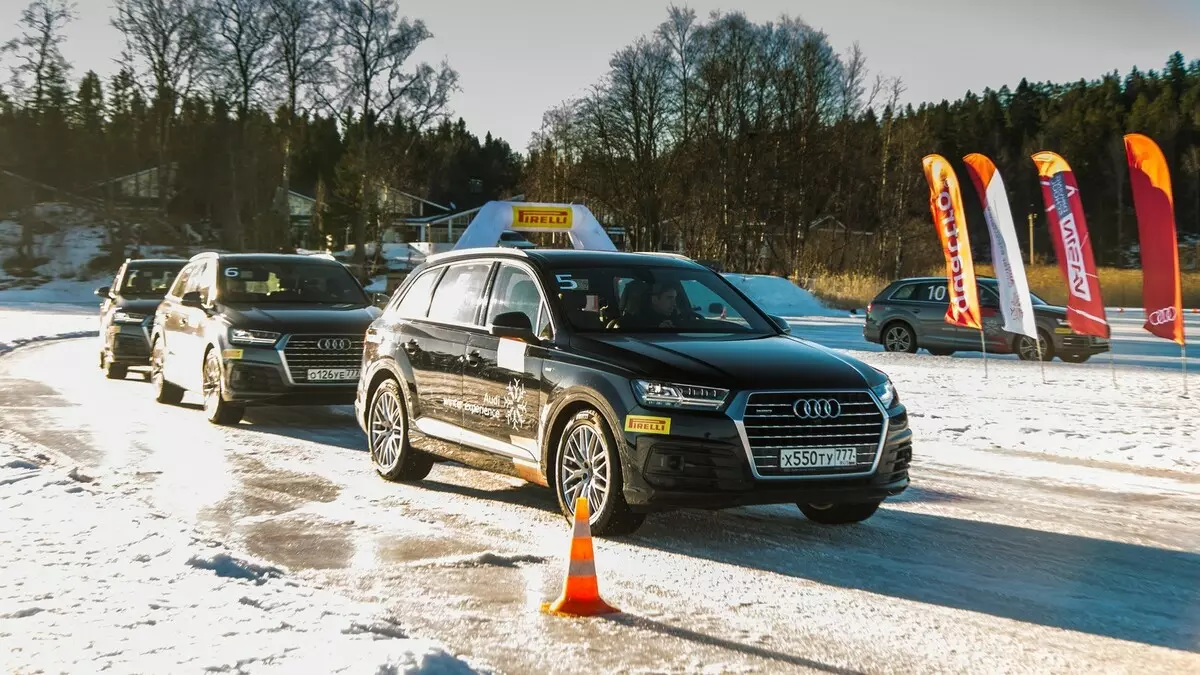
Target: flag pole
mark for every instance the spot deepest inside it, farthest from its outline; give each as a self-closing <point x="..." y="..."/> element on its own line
<point x="1112" y="358"/>
<point x="1041" y="358"/>
<point x="983" y="346"/>
<point x="1183" y="359"/>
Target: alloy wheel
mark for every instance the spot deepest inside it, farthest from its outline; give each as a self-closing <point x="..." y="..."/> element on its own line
<point x="387" y="429"/>
<point x="898" y="339"/>
<point x="584" y="469"/>
<point x="212" y="382"/>
<point x="1032" y="350"/>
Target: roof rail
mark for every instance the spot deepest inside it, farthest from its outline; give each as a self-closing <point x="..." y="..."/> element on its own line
<point x="460" y="252"/>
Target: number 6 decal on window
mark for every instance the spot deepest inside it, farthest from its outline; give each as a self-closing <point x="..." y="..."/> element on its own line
<point x="231" y="272"/>
<point x="566" y="283"/>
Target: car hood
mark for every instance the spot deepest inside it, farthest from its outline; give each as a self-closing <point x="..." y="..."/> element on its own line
<point x="732" y="362"/>
<point x="137" y="305"/>
<point x="302" y="318"/>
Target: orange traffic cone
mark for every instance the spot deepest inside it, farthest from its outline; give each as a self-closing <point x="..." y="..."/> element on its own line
<point x="581" y="593"/>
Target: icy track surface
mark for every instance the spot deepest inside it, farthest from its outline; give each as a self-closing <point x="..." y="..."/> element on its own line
<point x="1054" y="529"/>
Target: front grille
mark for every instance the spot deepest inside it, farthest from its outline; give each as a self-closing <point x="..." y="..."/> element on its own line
<point x="772" y="425"/>
<point x="302" y="352"/>
<point x="128" y="346"/>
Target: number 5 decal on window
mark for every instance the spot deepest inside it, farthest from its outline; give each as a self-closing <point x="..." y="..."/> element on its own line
<point x="566" y="283"/>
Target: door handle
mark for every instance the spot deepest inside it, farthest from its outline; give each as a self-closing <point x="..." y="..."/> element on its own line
<point x="916" y="310"/>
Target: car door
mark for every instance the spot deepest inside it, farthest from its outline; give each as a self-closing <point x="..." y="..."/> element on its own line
<point x="502" y="377"/>
<point x="436" y="345"/>
<point x="169" y="319"/>
<point x="932" y="299"/>
<point x="190" y="334"/>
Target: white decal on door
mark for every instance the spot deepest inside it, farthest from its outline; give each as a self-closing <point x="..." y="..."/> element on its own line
<point x="510" y="355"/>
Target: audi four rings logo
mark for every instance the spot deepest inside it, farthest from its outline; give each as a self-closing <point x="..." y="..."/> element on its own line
<point x="334" y="344"/>
<point x="1163" y="316"/>
<point x="817" y="408"/>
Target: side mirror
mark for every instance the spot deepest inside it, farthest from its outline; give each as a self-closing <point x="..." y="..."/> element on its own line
<point x="781" y="324"/>
<point x="192" y="299"/>
<point x="716" y="308"/>
<point x="513" y="325"/>
<point x="103" y="292"/>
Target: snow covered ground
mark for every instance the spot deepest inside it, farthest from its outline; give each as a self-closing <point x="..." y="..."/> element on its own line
<point x="94" y="579"/>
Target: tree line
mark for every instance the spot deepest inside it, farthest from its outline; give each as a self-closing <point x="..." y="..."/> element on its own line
<point x="238" y="102"/>
<point x="759" y="146"/>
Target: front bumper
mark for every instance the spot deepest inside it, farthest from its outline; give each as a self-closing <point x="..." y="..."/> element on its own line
<point x="703" y="463"/>
<point x="128" y="343"/>
<point x="256" y="376"/>
<point x="1080" y="344"/>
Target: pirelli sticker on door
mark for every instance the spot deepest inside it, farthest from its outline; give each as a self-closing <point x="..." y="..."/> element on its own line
<point x="648" y="425"/>
<point x="542" y="217"/>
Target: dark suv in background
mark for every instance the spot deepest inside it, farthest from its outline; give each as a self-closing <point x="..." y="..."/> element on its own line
<point x="260" y="329"/>
<point x="594" y="374"/>
<point x="127" y="313"/>
<point x="910" y="314"/>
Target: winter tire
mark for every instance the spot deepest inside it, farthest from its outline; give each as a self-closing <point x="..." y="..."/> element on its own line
<point x="164" y="392"/>
<point x="115" y="371"/>
<point x="387" y="438"/>
<point x="839" y="514"/>
<point x="899" y="337"/>
<point x="216" y="408"/>
<point x="586" y="464"/>
<point x="1027" y="348"/>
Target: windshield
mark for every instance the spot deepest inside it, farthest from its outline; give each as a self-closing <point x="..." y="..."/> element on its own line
<point x="649" y="299"/>
<point x="148" y="281"/>
<point x="288" y="281"/>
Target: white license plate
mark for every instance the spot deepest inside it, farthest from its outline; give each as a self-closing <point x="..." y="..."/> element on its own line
<point x="332" y="374"/>
<point x="823" y="458"/>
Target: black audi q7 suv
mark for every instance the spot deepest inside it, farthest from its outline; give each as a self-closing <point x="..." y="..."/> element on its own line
<point x="599" y="375"/>
<point x="260" y="329"/>
<point x="127" y="312"/>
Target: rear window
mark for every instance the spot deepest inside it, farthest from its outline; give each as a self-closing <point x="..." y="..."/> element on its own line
<point x="148" y="281"/>
<point x="905" y="292"/>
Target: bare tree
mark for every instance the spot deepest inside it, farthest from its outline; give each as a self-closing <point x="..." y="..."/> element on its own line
<point x="244" y="60"/>
<point x="168" y="38"/>
<point x="374" y="44"/>
<point x="245" y="54"/>
<point x="37" y="48"/>
<point x="303" y="51"/>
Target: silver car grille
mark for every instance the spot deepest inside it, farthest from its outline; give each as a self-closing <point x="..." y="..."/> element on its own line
<point x="771" y="424"/>
<point x="302" y="352"/>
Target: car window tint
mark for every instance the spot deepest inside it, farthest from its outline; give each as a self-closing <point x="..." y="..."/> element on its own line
<point x="514" y="291"/>
<point x="932" y="292"/>
<point x="415" y="303"/>
<point x="988" y="297"/>
<point x="543" y="327"/>
<point x="906" y="292"/>
<point x="459" y="293"/>
<point x="182" y="281"/>
<point x="147" y="281"/>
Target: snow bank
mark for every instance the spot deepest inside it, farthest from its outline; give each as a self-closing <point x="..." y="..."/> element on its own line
<point x="1078" y="413"/>
<point x="134" y="587"/>
<point x="780" y="296"/>
<point x="22" y="325"/>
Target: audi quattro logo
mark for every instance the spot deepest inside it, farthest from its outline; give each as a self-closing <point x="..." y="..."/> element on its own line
<point x="1163" y="316"/>
<point x="817" y="408"/>
<point x="335" y="344"/>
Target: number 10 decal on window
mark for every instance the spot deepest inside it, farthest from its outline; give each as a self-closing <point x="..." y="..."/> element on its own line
<point x="937" y="293"/>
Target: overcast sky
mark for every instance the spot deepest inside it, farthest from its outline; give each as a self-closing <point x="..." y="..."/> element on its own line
<point x="516" y="58"/>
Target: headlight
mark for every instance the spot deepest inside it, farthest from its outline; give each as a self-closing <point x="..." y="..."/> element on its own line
<point x="239" y="336"/>
<point x="128" y="317"/>
<point x="682" y="396"/>
<point x="886" y="393"/>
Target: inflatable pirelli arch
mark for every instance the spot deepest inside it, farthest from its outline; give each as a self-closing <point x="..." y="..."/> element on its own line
<point x="575" y="220"/>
